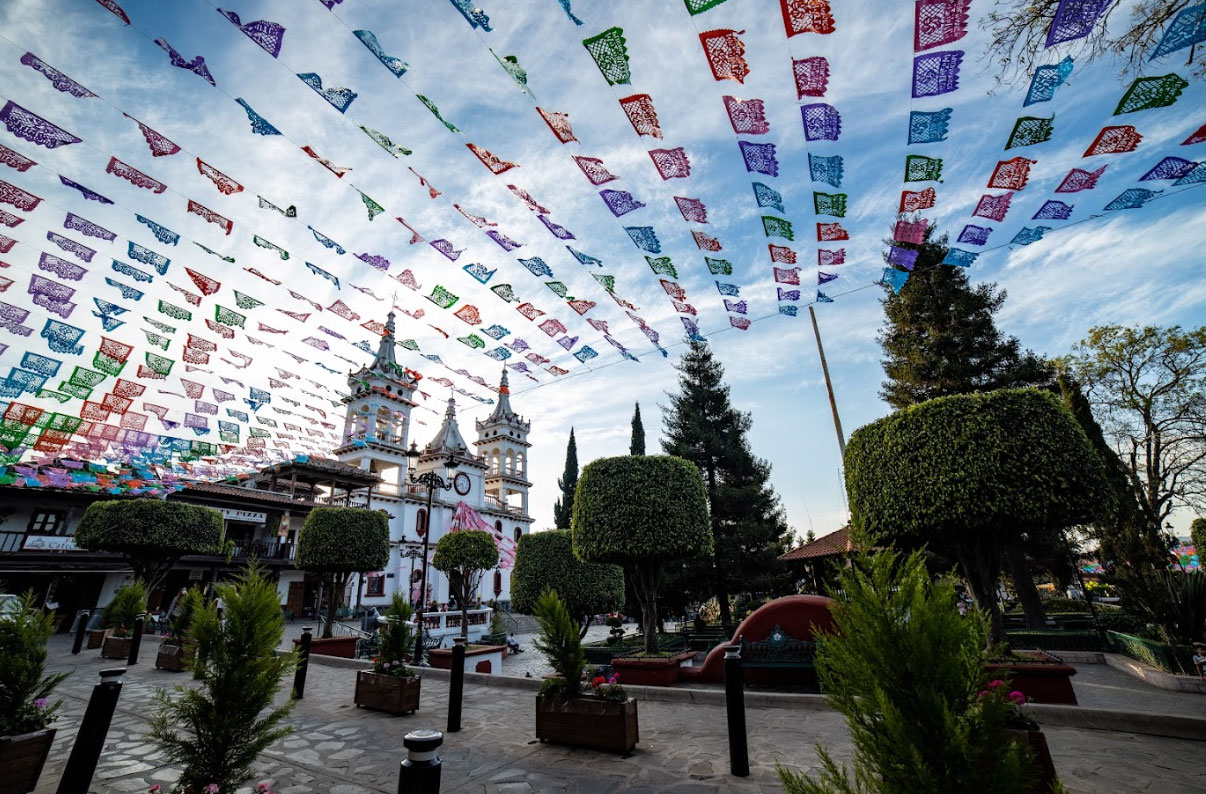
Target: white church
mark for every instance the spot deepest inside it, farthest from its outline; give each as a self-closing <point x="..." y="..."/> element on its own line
<point x="489" y="483"/>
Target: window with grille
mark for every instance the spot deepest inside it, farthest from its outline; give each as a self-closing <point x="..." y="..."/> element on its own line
<point x="47" y="522"/>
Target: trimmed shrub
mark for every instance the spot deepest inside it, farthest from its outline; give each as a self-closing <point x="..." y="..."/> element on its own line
<point x="336" y="542"/>
<point x="639" y="512"/>
<point x="463" y="557"/>
<point x="150" y="533"/>
<point x="545" y="560"/>
<point x="969" y="474"/>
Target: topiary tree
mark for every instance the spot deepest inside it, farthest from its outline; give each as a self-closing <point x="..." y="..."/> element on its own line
<point x="639" y="512"/>
<point x="968" y="474"/>
<point x="150" y="533"/>
<point x="545" y="560"/>
<point x="336" y="542"/>
<point x="463" y="557"/>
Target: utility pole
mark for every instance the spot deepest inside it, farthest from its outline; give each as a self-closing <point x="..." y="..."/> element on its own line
<point x="837" y="422"/>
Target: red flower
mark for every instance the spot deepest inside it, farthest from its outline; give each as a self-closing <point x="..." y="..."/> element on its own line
<point x="598" y="681"/>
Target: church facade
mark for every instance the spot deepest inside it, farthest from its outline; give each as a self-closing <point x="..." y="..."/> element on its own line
<point x="489" y="481"/>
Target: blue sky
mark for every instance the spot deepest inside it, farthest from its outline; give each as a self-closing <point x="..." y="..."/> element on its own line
<point x="1134" y="266"/>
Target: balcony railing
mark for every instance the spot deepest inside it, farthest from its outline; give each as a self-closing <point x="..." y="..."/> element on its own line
<point x="495" y="503"/>
<point x="448" y="624"/>
<point x="264" y="550"/>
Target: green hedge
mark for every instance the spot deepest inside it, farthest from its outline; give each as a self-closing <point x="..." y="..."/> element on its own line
<point x="343" y="539"/>
<point x="1002" y="461"/>
<point x="546" y="560"/>
<point x="645" y="508"/>
<point x="150" y="526"/>
<point x="1169" y="658"/>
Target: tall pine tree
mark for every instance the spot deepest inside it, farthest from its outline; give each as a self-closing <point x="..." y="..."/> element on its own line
<point x="747" y="521"/>
<point x="940" y="338"/>
<point x="563" y="508"/>
<point x="637" y="446"/>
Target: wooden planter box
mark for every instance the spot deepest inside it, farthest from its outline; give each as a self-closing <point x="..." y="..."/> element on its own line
<point x="655" y="671"/>
<point x="1045" y="680"/>
<point x="116" y="647"/>
<point x="343" y="647"/>
<point x="96" y="638"/>
<point x="1037" y="742"/>
<point x="170" y="657"/>
<point x="387" y="693"/>
<point x="588" y="722"/>
<point x="21" y="760"/>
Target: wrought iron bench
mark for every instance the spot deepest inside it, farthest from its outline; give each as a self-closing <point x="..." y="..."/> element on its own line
<point x="779" y="651"/>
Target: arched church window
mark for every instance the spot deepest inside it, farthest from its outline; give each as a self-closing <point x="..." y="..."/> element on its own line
<point x="421" y="522"/>
<point x="518" y="535"/>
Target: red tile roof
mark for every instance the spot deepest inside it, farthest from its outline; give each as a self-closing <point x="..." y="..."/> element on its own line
<point x="830" y="545"/>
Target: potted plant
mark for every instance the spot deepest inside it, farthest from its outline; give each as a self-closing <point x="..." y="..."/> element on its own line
<point x="600" y="718"/>
<point x="390" y="685"/>
<point x="128" y="603"/>
<point x="25" y="708"/>
<point x="174" y="650"/>
<point x="1001" y="704"/>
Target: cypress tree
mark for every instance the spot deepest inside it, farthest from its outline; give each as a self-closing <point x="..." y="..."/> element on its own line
<point x="637" y="446"/>
<point x="563" y="508"/>
<point x="748" y="527"/>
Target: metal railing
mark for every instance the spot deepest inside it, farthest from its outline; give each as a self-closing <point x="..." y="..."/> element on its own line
<point x="264" y="550"/>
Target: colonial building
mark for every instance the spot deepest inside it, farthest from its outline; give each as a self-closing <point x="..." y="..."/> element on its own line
<point x="40" y="507"/>
<point x="489" y="484"/>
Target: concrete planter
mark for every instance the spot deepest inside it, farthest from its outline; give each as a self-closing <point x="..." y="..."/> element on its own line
<point x="21" y="760"/>
<point x="654" y="671"/>
<point x="389" y="693"/>
<point x="478" y="659"/>
<point x="589" y="722"/>
<point x="1045" y="680"/>
<point x="116" y="647"/>
<point x="1037" y="743"/>
<point x="170" y="658"/>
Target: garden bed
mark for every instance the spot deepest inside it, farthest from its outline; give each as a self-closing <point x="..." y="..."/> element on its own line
<point x="1041" y="677"/>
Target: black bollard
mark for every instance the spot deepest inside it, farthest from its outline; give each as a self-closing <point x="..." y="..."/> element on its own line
<point x="456" y="685"/>
<point x="81" y="632"/>
<point x="136" y="640"/>
<point x="420" y="772"/>
<point x="90" y="741"/>
<point x="734" y="698"/>
<point x="303" y="663"/>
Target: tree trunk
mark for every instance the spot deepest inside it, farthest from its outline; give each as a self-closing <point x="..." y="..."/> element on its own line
<point x="645" y="581"/>
<point x="1023" y="583"/>
<point x="333" y="603"/>
<point x="583" y="626"/>
<point x="722" y="590"/>
<point x="977" y="567"/>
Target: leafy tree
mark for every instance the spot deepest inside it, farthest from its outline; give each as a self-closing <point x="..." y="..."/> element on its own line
<point x="152" y="534"/>
<point x="545" y="560"/>
<point x="336" y="542"/>
<point x="217" y="729"/>
<point x="1019" y="31"/>
<point x="640" y="512"/>
<point x="1147" y="387"/>
<point x="24" y="681"/>
<point x="561" y="644"/>
<point x="907" y="671"/>
<point x="940" y="337"/>
<point x="637" y="445"/>
<point x="748" y="528"/>
<point x="463" y="557"/>
<point x="965" y="475"/>
<point x="563" y="508"/>
<point x="1197" y="536"/>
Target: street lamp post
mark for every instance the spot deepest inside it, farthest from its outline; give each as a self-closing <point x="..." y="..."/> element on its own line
<point x="433" y="482"/>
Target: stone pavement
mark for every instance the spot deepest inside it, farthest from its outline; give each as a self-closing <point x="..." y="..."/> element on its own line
<point x="339" y="749"/>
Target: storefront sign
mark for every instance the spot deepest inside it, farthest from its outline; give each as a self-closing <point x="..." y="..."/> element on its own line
<point x="50" y="543"/>
<point x="250" y="516"/>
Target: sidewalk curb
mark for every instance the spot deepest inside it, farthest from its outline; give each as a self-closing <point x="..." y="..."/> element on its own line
<point x="1054" y="716"/>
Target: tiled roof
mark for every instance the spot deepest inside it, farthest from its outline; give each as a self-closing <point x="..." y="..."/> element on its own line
<point x="830" y="545"/>
<point x="236" y="493"/>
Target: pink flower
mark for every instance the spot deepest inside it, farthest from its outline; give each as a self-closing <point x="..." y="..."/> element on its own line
<point x="613" y="679"/>
<point x="995" y="684"/>
<point x="41" y="703"/>
<point x="212" y="788"/>
<point x="154" y="789"/>
<point x="1017" y="697"/>
<point x="983" y="693"/>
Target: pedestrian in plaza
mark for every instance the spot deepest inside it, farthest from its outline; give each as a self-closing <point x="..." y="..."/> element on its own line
<point x="1199" y="659"/>
<point x="174" y="607"/>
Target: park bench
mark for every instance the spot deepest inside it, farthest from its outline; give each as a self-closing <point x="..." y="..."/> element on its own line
<point x="779" y="650"/>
